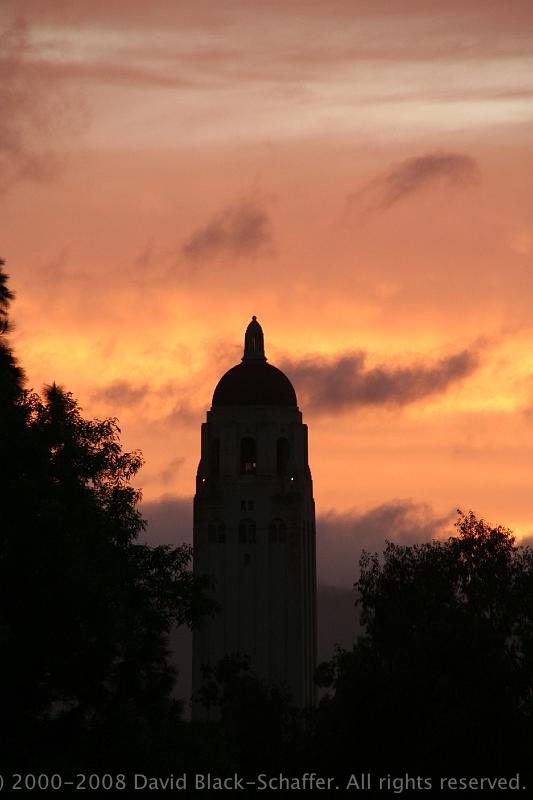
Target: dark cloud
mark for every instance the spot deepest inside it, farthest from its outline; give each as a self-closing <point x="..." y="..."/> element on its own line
<point x="445" y="28"/>
<point x="184" y="413"/>
<point x="338" y="619"/>
<point x="243" y="230"/>
<point x="169" y="520"/>
<point x="341" y="537"/>
<point x="110" y="72"/>
<point x="57" y="278"/>
<point x="121" y="393"/>
<point x="172" y="468"/>
<point x="412" y="175"/>
<point x="146" y="256"/>
<point x="37" y="119"/>
<point x="344" y="381"/>
<point x="124" y="394"/>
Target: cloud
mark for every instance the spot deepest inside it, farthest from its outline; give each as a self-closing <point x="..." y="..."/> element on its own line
<point x="109" y="73"/>
<point x="172" y="468"/>
<point x="341" y="537"/>
<point x="184" y="413"/>
<point x="121" y="393"/>
<point x="412" y="175"/>
<point x="344" y="382"/>
<point x="242" y="230"/>
<point x="169" y="520"/>
<point x="37" y="118"/>
<point x="160" y="408"/>
<point x="338" y="619"/>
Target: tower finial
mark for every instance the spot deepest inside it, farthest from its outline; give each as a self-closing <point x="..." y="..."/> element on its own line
<point x="254" y="344"/>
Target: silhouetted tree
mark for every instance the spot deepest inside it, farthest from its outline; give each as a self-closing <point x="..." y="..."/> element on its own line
<point x="258" y="723"/>
<point x="85" y="609"/>
<point x="442" y="678"/>
<point x="11" y="375"/>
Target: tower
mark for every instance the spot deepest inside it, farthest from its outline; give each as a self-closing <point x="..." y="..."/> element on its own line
<point x="254" y="526"/>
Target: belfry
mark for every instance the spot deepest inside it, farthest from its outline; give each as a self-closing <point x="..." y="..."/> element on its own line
<point x="254" y="526"/>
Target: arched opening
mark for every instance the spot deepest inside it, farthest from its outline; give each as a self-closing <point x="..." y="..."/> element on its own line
<point x="277" y="531"/>
<point x="216" y="532"/>
<point x="282" y="455"/>
<point x="248" y="456"/>
<point x="246" y="531"/>
<point x="214" y="458"/>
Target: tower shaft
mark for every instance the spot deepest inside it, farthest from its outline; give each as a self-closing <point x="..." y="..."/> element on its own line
<point x="254" y="529"/>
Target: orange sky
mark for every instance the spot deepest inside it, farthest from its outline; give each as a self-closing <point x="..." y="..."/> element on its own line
<point x="356" y="174"/>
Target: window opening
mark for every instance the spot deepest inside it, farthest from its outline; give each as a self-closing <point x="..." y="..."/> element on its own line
<point x="248" y="456"/>
<point x="214" y="458"/>
<point x="246" y="531"/>
<point x="277" y="531"/>
<point x="282" y="455"/>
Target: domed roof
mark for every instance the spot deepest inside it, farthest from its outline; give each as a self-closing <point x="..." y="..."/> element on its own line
<point x="254" y="382"/>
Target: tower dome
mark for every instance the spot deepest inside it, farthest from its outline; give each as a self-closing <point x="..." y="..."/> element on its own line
<point x="253" y="382"/>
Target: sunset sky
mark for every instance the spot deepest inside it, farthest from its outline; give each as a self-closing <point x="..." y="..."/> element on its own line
<point x="357" y="173"/>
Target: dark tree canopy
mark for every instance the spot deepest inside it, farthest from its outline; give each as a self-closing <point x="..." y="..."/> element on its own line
<point x="85" y="609"/>
<point x="443" y="676"/>
<point x="259" y="723"/>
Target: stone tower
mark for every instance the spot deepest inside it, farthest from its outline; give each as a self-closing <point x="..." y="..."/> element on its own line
<point x="254" y="526"/>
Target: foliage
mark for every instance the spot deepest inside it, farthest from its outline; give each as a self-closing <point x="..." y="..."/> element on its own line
<point x="256" y="719"/>
<point x="11" y="375"/>
<point x="443" y="675"/>
<point x="85" y="609"/>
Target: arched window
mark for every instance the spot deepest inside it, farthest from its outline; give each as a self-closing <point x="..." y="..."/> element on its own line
<point x="214" y="458"/>
<point x="277" y="531"/>
<point x="283" y="452"/>
<point x="216" y="532"/>
<point x="248" y="456"/>
<point x="246" y="531"/>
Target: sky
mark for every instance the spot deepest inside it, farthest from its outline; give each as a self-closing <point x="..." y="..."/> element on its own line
<point x="356" y="173"/>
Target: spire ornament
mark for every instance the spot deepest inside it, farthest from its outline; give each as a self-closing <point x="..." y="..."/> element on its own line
<point x="254" y="343"/>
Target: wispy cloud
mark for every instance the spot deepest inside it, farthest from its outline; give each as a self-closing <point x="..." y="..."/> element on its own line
<point x="341" y="537"/>
<point x="37" y="118"/>
<point x="171" y="469"/>
<point x="345" y="382"/>
<point x="242" y="230"/>
<point x="412" y="175"/>
<point x="121" y="393"/>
